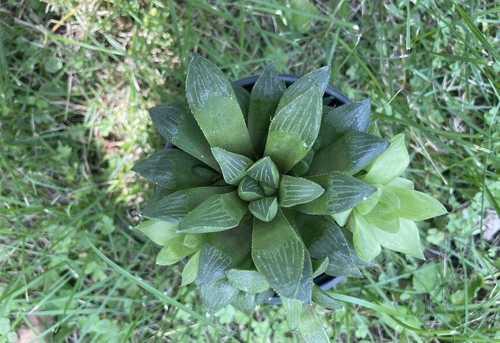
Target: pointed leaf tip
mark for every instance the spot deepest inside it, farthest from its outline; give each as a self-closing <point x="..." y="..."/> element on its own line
<point x="233" y="166"/>
<point x="264" y="209"/>
<point x="265" y="171"/>
<point x="297" y="190"/>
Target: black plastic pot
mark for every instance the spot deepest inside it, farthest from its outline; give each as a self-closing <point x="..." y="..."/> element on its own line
<point x="333" y="97"/>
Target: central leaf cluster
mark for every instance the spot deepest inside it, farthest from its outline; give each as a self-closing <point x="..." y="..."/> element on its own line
<point x="260" y="184"/>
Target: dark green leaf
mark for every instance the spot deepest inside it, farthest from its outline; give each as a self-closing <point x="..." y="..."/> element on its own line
<point x="302" y="167"/>
<point x="265" y="171"/>
<point x="336" y="121"/>
<point x="391" y="164"/>
<point x="217" y="295"/>
<point x="158" y="231"/>
<point x="294" y="129"/>
<point x="330" y="242"/>
<point x="264" y="98"/>
<point x="249" y="189"/>
<point x="233" y="165"/>
<point x="178" y="127"/>
<point x="173" y="207"/>
<point x="317" y="78"/>
<point x="297" y="190"/>
<point x="215" y="107"/>
<point x="350" y="154"/>
<point x="243" y="98"/>
<point x="249" y="281"/>
<point x="174" y="169"/>
<point x="218" y="213"/>
<point x="264" y="209"/>
<point x="278" y="253"/>
<point x="320" y="267"/>
<point x="342" y="192"/>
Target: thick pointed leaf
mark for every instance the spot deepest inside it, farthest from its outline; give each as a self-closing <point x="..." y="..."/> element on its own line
<point x="303" y="290"/>
<point x="341" y="218"/>
<point x="297" y="190"/>
<point x="268" y="190"/>
<point x="173" y="252"/>
<point x="416" y="205"/>
<point x="385" y="215"/>
<point x="249" y="281"/>
<point x="264" y="98"/>
<point x="215" y="107"/>
<point x="324" y="299"/>
<point x="302" y="167"/>
<point x="190" y="270"/>
<point x="400" y="182"/>
<point x="330" y="242"/>
<point x="249" y="189"/>
<point x="406" y="240"/>
<point x="178" y="127"/>
<point x="223" y="251"/>
<point x="320" y="266"/>
<point x="278" y="253"/>
<point x="350" y="154"/>
<point x="342" y="192"/>
<point x="339" y="120"/>
<point x="364" y="238"/>
<point x="311" y="328"/>
<point x="233" y="165"/>
<point x="366" y="206"/>
<point x="173" y="207"/>
<point x="193" y="240"/>
<point x="218" y="213"/>
<point x="265" y="171"/>
<point x="264" y="209"/>
<point x="243" y="98"/>
<point x="158" y="231"/>
<point x="391" y="164"/>
<point x="317" y="78"/>
<point x="294" y="129"/>
<point x="245" y="302"/>
<point x="174" y="169"/>
<point x="217" y="295"/>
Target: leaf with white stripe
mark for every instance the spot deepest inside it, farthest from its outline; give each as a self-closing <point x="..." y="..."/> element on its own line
<point x="278" y="253"/>
<point x="317" y="78"/>
<point x="302" y="167"/>
<point x="250" y="281"/>
<point x="174" y="206"/>
<point x="297" y="190"/>
<point x="342" y="192"/>
<point x="350" y="154"/>
<point x="266" y="94"/>
<point x="294" y="129"/>
<point x="265" y="171"/>
<point x="174" y="169"/>
<point x="215" y="107"/>
<point x="264" y="209"/>
<point x="249" y="189"/>
<point x="218" y="213"/>
<point x="179" y="127"/>
<point x="233" y="165"/>
<point x="336" y="121"/>
<point x="217" y="295"/>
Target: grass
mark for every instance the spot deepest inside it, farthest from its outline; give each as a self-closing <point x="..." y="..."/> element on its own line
<point x="76" y="79"/>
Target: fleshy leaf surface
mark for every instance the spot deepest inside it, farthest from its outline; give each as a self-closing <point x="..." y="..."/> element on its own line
<point x="218" y="213"/>
<point x="249" y="189"/>
<point x="174" y="206"/>
<point x="342" y="192"/>
<point x="297" y="190"/>
<point x="249" y="281"/>
<point x="293" y="309"/>
<point x="385" y="215"/>
<point x="278" y="253"/>
<point x="294" y="129"/>
<point x="350" y="154"/>
<point x="233" y="165"/>
<point x="264" y="99"/>
<point x="320" y="267"/>
<point x="264" y="209"/>
<point x="302" y="167"/>
<point x="311" y="328"/>
<point x="416" y="205"/>
<point x="243" y="98"/>
<point x="174" y="169"/>
<point x="179" y="127"/>
<point x="244" y="302"/>
<point x="406" y="240"/>
<point x="190" y="270"/>
<point x="265" y="171"/>
<point x="215" y="107"/>
<point x="158" y="231"/>
<point x="324" y="299"/>
<point x="336" y="121"/>
<point x="364" y="238"/>
<point x="173" y="252"/>
<point x="217" y="295"/>
<point x="390" y="164"/>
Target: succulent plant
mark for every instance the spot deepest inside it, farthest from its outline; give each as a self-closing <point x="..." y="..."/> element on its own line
<point x="265" y="190"/>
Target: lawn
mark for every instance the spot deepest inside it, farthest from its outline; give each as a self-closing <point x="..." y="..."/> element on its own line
<point x="76" y="80"/>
